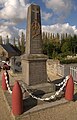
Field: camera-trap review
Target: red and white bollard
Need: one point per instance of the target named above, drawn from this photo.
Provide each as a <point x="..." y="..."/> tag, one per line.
<point x="17" y="100"/>
<point x="4" y="85"/>
<point x="69" y="92"/>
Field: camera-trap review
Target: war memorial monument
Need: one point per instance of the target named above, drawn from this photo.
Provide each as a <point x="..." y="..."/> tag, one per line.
<point x="34" y="61"/>
<point x="34" y="77"/>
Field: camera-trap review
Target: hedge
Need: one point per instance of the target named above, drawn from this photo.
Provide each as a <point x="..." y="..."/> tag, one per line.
<point x="63" y="61"/>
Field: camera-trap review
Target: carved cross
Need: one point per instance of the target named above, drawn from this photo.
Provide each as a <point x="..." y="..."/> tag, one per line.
<point x="36" y="12"/>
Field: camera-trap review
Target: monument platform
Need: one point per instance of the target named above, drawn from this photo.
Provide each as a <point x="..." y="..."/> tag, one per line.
<point x="39" y="89"/>
<point x="32" y="106"/>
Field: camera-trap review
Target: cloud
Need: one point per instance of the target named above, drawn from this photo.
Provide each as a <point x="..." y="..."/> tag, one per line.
<point x="60" y="28"/>
<point x="46" y="16"/>
<point x="61" y="8"/>
<point x="7" y="23"/>
<point x="11" y="32"/>
<point x="56" y="28"/>
<point x="11" y="13"/>
<point x="14" y="10"/>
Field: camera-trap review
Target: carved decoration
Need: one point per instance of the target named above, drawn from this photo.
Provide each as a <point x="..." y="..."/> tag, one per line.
<point x="35" y="29"/>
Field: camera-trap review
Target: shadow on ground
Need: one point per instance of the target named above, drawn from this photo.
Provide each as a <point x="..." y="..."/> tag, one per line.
<point x="30" y="102"/>
<point x="75" y="97"/>
<point x="57" y="81"/>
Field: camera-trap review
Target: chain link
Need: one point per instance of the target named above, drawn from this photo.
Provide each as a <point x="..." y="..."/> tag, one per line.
<point x="67" y="77"/>
<point x="8" y="86"/>
<point x="63" y="83"/>
<point x="52" y="96"/>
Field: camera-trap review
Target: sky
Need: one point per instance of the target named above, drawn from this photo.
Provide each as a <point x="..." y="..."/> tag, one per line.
<point x="57" y="16"/>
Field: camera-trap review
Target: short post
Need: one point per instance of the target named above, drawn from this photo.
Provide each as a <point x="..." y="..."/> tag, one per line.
<point x="17" y="100"/>
<point x="69" y="92"/>
<point x="4" y="85"/>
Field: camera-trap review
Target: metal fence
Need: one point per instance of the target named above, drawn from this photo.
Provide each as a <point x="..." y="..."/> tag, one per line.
<point x="73" y="72"/>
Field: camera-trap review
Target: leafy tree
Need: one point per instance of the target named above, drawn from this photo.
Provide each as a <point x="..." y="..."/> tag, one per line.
<point x="58" y="37"/>
<point x="74" y="44"/>
<point x="48" y="49"/>
<point x="62" y="36"/>
<point x="1" y="40"/>
<point x="7" y="39"/>
<point x="14" y="41"/>
<point x="48" y="35"/>
<point x="54" y="54"/>
<point x="43" y="37"/>
<point x="66" y="35"/>
<point x="19" y="44"/>
<point x="22" y="43"/>
<point x="52" y="45"/>
<point x="65" y="47"/>
<point x="53" y="36"/>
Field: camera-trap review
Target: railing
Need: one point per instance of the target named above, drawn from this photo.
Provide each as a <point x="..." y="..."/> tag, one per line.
<point x="60" y="70"/>
<point x="73" y="72"/>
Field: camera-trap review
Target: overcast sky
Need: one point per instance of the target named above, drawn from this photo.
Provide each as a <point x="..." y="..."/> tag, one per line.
<point x="56" y="15"/>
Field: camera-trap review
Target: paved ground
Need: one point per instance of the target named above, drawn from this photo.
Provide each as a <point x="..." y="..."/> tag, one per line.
<point x="63" y="112"/>
<point x="4" y="113"/>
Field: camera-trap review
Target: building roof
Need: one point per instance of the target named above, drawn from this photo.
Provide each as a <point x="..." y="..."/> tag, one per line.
<point x="16" y="49"/>
<point x="11" y="49"/>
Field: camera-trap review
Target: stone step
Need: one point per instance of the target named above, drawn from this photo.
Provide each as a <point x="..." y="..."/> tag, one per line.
<point x="30" y="102"/>
<point x="40" y="88"/>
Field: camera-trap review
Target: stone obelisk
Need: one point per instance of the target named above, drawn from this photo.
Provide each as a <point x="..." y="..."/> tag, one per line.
<point x="34" y="61"/>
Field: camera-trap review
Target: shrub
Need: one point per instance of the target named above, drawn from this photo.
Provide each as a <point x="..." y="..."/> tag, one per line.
<point x="63" y="61"/>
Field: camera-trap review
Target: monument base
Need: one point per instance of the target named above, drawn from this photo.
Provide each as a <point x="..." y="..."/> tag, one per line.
<point x="39" y="89"/>
<point x="34" y="69"/>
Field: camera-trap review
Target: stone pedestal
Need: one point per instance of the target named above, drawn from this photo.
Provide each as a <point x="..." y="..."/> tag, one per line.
<point x="34" y="69"/>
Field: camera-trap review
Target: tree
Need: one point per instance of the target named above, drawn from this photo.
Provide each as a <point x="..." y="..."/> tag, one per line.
<point x="1" y="40"/>
<point x="43" y="37"/>
<point x="53" y="36"/>
<point x="7" y="39"/>
<point x="66" y="35"/>
<point x="65" y="47"/>
<point x="48" y="49"/>
<point x="62" y="36"/>
<point x="58" y="37"/>
<point x="74" y="44"/>
<point x="22" y="43"/>
<point x="19" y="44"/>
<point x="14" y="41"/>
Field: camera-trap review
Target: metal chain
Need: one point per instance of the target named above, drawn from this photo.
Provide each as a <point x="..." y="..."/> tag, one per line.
<point x="52" y="96"/>
<point x="63" y="83"/>
<point x="8" y="86"/>
<point x="75" y="83"/>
